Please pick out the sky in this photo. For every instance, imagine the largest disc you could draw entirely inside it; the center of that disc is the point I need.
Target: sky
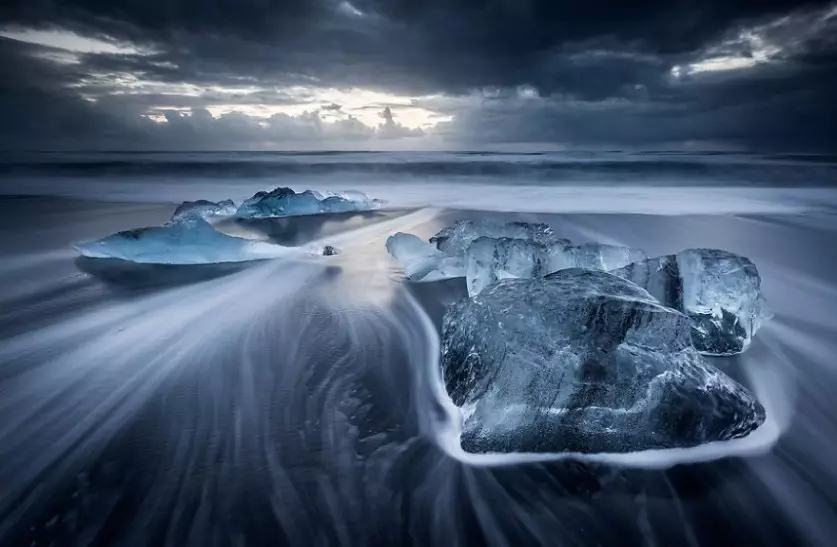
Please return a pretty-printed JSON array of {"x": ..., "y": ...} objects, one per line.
[{"x": 409, "y": 74}]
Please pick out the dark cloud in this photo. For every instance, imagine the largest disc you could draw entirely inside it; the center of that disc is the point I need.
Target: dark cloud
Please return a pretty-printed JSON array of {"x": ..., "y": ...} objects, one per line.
[{"x": 599, "y": 71}]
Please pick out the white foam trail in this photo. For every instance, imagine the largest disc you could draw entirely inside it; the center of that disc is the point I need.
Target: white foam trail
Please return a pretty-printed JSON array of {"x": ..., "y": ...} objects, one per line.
[{"x": 79, "y": 382}]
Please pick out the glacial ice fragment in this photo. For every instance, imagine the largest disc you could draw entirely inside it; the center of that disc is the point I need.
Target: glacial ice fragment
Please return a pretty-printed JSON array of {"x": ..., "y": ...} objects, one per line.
[
  {"x": 490, "y": 259},
  {"x": 583, "y": 360},
  {"x": 188, "y": 240},
  {"x": 720, "y": 292},
  {"x": 283, "y": 202},
  {"x": 456, "y": 238},
  {"x": 422, "y": 260},
  {"x": 204, "y": 209}
]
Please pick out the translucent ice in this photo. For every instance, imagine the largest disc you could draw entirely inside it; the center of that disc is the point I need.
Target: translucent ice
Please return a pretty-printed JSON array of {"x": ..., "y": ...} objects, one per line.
[
  {"x": 490, "y": 259},
  {"x": 188, "y": 240},
  {"x": 582, "y": 360},
  {"x": 283, "y": 202},
  {"x": 456, "y": 238},
  {"x": 718, "y": 290},
  {"x": 592, "y": 256},
  {"x": 422, "y": 260},
  {"x": 204, "y": 209}
]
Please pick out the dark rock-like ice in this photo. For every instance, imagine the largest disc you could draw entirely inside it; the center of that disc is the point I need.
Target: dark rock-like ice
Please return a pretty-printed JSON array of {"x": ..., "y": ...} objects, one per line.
[
  {"x": 456, "y": 238},
  {"x": 283, "y": 202},
  {"x": 422, "y": 261},
  {"x": 720, "y": 292},
  {"x": 187, "y": 240},
  {"x": 204, "y": 209},
  {"x": 583, "y": 360}
]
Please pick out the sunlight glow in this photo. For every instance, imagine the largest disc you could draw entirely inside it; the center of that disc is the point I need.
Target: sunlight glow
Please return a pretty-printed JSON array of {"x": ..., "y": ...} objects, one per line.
[
  {"x": 68, "y": 41},
  {"x": 758, "y": 51}
]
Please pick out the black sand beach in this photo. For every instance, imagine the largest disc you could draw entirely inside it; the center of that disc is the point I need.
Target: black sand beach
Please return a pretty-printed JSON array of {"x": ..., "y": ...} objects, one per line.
[{"x": 279, "y": 403}]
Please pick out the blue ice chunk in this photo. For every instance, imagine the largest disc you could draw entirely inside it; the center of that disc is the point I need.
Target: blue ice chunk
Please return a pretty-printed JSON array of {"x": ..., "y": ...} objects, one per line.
[
  {"x": 720, "y": 291},
  {"x": 283, "y": 202},
  {"x": 583, "y": 360},
  {"x": 188, "y": 240}
]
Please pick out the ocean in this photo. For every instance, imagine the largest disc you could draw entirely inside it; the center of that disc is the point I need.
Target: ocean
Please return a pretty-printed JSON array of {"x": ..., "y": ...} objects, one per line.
[{"x": 296, "y": 401}]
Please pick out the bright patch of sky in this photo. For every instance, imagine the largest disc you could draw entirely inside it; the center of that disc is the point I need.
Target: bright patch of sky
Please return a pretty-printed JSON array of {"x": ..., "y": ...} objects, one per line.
[
  {"x": 763, "y": 44},
  {"x": 69, "y": 41},
  {"x": 347, "y": 8},
  {"x": 334, "y": 104},
  {"x": 753, "y": 47}
]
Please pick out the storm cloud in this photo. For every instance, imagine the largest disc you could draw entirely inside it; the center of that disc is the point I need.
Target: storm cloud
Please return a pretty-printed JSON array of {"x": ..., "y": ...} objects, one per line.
[{"x": 379, "y": 74}]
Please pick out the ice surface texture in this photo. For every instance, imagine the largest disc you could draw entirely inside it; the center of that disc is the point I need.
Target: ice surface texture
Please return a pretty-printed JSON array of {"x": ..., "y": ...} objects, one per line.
[
  {"x": 583, "y": 360},
  {"x": 204, "y": 209},
  {"x": 718, "y": 290},
  {"x": 283, "y": 202},
  {"x": 456, "y": 238},
  {"x": 592, "y": 256},
  {"x": 422, "y": 260},
  {"x": 491, "y": 250},
  {"x": 490, "y": 259},
  {"x": 445, "y": 256},
  {"x": 187, "y": 240}
]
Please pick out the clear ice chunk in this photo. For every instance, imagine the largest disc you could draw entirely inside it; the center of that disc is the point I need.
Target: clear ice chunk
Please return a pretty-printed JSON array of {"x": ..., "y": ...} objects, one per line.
[
  {"x": 720, "y": 292},
  {"x": 583, "y": 360},
  {"x": 204, "y": 209},
  {"x": 283, "y": 202},
  {"x": 456, "y": 238},
  {"x": 188, "y": 240},
  {"x": 491, "y": 259},
  {"x": 592, "y": 256},
  {"x": 422, "y": 261}
]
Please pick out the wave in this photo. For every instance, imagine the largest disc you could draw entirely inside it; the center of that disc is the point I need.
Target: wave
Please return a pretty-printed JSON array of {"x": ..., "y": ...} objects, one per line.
[{"x": 608, "y": 168}]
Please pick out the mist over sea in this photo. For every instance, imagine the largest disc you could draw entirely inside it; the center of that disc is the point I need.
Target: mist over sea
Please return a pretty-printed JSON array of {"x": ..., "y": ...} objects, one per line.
[{"x": 297, "y": 401}]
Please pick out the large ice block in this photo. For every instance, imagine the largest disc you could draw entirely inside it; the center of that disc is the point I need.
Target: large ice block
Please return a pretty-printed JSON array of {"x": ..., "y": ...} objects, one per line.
[
  {"x": 583, "y": 360},
  {"x": 283, "y": 202},
  {"x": 188, "y": 240},
  {"x": 720, "y": 292}
]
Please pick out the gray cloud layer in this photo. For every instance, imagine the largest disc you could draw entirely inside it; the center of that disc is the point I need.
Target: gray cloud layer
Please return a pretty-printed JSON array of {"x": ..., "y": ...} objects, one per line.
[{"x": 576, "y": 73}]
